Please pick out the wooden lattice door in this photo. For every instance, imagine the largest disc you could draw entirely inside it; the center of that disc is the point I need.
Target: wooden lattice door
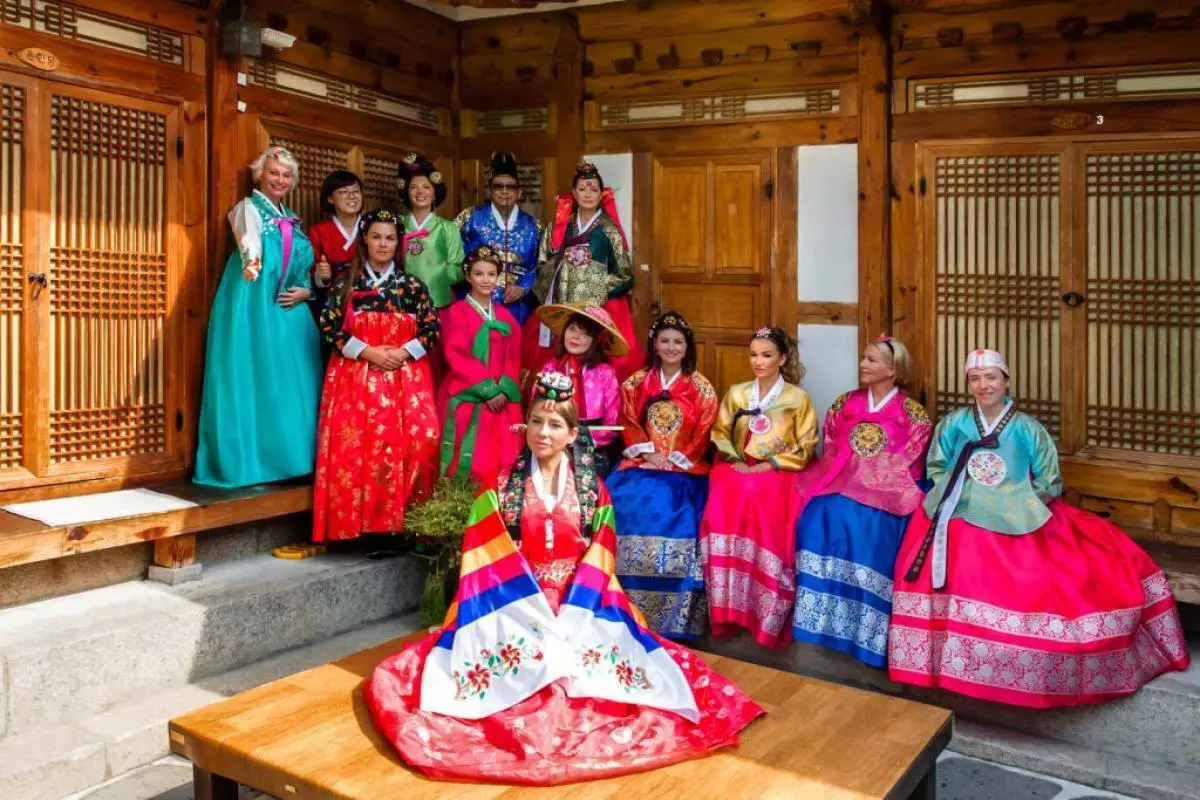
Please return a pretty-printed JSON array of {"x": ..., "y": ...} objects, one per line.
[
  {"x": 1081, "y": 261},
  {"x": 90, "y": 329}
]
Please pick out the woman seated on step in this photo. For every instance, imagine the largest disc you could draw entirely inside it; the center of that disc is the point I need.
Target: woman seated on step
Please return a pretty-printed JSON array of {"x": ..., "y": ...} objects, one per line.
[
  {"x": 661, "y": 485},
  {"x": 544, "y": 673},
  {"x": 856, "y": 503},
  {"x": 1006, "y": 593},
  {"x": 766, "y": 433}
]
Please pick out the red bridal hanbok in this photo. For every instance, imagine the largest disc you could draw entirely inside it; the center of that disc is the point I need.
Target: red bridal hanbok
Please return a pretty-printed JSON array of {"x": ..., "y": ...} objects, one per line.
[
  {"x": 482, "y": 350},
  {"x": 1014, "y": 596},
  {"x": 544, "y": 673},
  {"x": 378, "y": 433}
]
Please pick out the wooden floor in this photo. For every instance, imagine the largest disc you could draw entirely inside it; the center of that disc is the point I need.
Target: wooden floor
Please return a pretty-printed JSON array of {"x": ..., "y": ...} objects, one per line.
[
  {"x": 24, "y": 540},
  {"x": 311, "y": 736}
]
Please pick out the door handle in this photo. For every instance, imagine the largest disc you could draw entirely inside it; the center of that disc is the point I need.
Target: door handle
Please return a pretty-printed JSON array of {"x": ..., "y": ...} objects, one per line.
[
  {"x": 655, "y": 310},
  {"x": 1074, "y": 299},
  {"x": 38, "y": 280}
]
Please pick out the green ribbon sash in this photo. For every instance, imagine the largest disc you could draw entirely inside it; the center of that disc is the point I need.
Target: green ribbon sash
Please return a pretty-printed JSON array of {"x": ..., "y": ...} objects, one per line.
[{"x": 476, "y": 395}]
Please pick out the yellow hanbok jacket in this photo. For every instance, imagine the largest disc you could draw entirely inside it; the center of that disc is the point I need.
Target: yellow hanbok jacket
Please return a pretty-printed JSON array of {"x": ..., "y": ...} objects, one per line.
[{"x": 788, "y": 438}]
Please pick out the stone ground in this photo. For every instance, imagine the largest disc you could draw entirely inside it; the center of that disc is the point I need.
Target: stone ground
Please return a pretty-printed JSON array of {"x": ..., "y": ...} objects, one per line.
[{"x": 959, "y": 778}]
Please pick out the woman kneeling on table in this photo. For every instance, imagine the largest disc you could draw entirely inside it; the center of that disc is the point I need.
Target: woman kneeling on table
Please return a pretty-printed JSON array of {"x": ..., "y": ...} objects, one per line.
[
  {"x": 1024, "y": 600},
  {"x": 544, "y": 673}
]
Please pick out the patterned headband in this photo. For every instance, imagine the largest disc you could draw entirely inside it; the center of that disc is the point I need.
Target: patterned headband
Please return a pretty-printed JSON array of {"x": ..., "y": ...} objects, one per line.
[
  {"x": 669, "y": 320},
  {"x": 483, "y": 253},
  {"x": 586, "y": 170},
  {"x": 281, "y": 152},
  {"x": 554, "y": 387},
  {"x": 883, "y": 338},
  {"x": 378, "y": 215}
]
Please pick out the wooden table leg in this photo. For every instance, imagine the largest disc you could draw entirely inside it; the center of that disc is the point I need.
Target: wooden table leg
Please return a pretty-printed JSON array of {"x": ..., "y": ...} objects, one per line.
[
  {"x": 209, "y": 786},
  {"x": 925, "y": 790}
]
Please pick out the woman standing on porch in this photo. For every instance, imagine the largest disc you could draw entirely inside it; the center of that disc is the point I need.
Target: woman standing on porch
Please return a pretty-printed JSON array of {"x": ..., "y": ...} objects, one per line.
[
  {"x": 660, "y": 487},
  {"x": 1024, "y": 600},
  {"x": 258, "y": 412},
  {"x": 377, "y": 445},
  {"x": 765, "y": 434},
  {"x": 433, "y": 248},
  {"x": 334, "y": 237},
  {"x": 857, "y": 500},
  {"x": 585, "y": 259}
]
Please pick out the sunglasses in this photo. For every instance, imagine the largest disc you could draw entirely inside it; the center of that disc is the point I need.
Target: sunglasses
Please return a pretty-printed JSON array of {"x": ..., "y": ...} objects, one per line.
[{"x": 504, "y": 187}]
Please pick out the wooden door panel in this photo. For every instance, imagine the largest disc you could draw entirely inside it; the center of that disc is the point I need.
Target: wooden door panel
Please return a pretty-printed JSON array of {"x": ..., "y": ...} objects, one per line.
[
  {"x": 683, "y": 196},
  {"x": 738, "y": 195},
  {"x": 712, "y": 224},
  {"x": 110, "y": 283},
  {"x": 731, "y": 362},
  {"x": 15, "y": 103},
  {"x": 717, "y": 307}
]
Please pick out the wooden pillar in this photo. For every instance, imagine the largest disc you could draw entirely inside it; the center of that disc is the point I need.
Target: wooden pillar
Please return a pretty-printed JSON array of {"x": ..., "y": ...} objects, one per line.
[
  {"x": 174, "y": 560},
  {"x": 874, "y": 212},
  {"x": 568, "y": 55}
]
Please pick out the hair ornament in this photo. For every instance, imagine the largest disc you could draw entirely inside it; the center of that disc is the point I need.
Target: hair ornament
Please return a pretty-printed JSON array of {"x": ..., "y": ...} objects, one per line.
[{"x": 554, "y": 387}]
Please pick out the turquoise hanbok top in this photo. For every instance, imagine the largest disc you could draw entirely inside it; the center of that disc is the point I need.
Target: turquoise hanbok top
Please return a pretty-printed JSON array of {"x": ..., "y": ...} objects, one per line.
[{"x": 262, "y": 369}]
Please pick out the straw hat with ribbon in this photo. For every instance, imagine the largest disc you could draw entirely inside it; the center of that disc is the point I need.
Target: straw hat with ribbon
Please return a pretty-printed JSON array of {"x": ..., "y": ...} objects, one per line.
[{"x": 556, "y": 317}]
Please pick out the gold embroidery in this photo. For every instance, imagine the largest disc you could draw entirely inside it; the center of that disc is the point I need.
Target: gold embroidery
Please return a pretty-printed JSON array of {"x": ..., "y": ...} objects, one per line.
[
  {"x": 868, "y": 440},
  {"x": 916, "y": 412}
]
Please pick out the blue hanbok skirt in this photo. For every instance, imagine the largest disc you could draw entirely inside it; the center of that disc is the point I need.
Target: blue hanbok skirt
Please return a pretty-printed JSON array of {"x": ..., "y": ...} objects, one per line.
[
  {"x": 658, "y": 524},
  {"x": 845, "y": 554}
]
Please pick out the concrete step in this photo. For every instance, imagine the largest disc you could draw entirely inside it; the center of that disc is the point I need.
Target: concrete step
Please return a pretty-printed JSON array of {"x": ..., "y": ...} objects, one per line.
[
  {"x": 1104, "y": 771},
  {"x": 1158, "y": 725},
  {"x": 68, "y": 657},
  {"x": 55, "y": 761}
]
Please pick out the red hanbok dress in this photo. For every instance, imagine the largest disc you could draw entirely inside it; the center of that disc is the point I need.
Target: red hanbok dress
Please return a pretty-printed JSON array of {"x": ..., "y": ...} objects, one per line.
[
  {"x": 551, "y": 736},
  {"x": 337, "y": 245},
  {"x": 378, "y": 430},
  {"x": 483, "y": 360}
]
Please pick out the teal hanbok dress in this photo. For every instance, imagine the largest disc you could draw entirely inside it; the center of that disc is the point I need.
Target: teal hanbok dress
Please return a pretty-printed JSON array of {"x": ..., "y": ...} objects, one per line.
[{"x": 262, "y": 371}]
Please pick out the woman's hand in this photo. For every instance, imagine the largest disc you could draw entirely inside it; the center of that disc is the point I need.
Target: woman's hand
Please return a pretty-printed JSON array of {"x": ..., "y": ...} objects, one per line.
[
  {"x": 746, "y": 469},
  {"x": 290, "y": 298},
  {"x": 656, "y": 461},
  {"x": 251, "y": 270},
  {"x": 324, "y": 271},
  {"x": 384, "y": 358},
  {"x": 512, "y": 294},
  {"x": 497, "y": 403}
]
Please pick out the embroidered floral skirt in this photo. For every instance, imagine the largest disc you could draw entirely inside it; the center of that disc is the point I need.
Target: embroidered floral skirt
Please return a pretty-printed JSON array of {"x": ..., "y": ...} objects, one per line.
[
  {"x": 845, "y": 553},
  {"x": 1072, "y": 613},
  {"x": 658, "y": 554},
  {"x": 550, "y": 738},
  {"x": 748, "y": 551}
]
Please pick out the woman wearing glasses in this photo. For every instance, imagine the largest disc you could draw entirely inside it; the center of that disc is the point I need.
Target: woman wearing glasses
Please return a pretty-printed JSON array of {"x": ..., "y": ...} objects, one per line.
[
  {"x": 333, "y": 238},
  {"x": 511, "y": 233}
]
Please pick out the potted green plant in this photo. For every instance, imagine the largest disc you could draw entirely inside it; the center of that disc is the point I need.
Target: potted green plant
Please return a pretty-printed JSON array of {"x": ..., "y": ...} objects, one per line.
[{"x": 437, "y": 524}]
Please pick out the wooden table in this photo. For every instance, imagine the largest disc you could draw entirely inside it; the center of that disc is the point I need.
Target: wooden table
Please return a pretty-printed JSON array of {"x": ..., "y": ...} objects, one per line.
[{"x": 311, "y": 736}]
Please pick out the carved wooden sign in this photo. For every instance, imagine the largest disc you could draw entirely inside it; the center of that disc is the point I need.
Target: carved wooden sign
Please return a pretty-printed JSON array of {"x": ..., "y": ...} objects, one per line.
[
  {"x": 1071, "y": 121},
  {"x": 38, "y": 58}
]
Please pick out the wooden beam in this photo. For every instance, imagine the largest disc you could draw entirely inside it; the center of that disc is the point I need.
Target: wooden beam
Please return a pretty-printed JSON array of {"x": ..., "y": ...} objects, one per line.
[
  {"x": 569, "y": 117},
  {"x": 785, "y": 183},
  {"x": 1141, "y": 118},
  {"x": 746, "y": 135},
  {"x": 781, "y": 75},
  {"x": 874, "y": 211},
  {"x": 402, "y": 81},
  {"x": 175, "y": 552},
  {"x": 169, "y": 15},
  {"x": 617, "y": 21}
]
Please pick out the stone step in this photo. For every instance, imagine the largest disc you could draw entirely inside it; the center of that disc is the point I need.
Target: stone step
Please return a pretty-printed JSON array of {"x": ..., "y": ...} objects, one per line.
[
  {"x": 1104, "y": 771},
  {"x": 1158, "y": 725},
  {"x": 58, "y": 760},
  {"x": 71, "y": 656}
]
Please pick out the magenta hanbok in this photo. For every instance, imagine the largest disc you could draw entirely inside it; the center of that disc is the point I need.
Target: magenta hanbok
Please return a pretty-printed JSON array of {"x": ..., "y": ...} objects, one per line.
[
  {"x": 482, "y": 350},
  {"x": 856, "y": 501}
]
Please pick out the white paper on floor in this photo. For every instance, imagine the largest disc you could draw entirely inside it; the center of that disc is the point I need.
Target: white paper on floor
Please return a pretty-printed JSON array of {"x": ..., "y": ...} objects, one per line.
[{"x": 97, "y": 507}]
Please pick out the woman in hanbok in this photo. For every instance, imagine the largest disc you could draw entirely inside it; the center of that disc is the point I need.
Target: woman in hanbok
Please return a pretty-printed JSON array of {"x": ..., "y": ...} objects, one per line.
[
  {"x": 433, "y": 246},
  {"x": 334, "y": 238},
  {"x": 765, "y": 434},
  {"x": 586, "y": 259},
  {"x": 479, "y": 400},
  {"x": 544, "y": 673},
  {"x": 378, "y": 439},
  {"x": 661, "y": 485},
  {"x": 586, "y": 339},
  {"x": 262, "y": 371},
  {"x": 1006, "y": 593},
  {"x": 856, "y": 503}
]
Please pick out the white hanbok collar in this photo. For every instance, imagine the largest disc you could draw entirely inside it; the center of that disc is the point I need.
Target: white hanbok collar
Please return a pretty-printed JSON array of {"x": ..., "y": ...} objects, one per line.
[
  {"x": 871, "y": 405},
  {"x": 756, "y": 404},
  {"x": 347, "y": 235},
  {"x": 512, "y": 218},
  {"x": 377, "y": 279}
]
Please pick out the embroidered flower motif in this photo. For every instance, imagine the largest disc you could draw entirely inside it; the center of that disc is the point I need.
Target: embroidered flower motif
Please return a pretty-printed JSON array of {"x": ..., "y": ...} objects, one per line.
[
  {"x": 495, "y": 663},
  {"x": 987, "y": 467},
  {"x": 590, "y": 657},
  {"x": 624, "y": 673},
  {"x": 601, "y": 661}
]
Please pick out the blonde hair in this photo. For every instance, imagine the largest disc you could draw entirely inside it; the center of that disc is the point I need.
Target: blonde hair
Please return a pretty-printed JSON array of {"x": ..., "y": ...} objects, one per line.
[
  {"x": 279, "y": 154},
  {"x": 792, "y": 369},
  {"x": 897, "y": 357}
]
